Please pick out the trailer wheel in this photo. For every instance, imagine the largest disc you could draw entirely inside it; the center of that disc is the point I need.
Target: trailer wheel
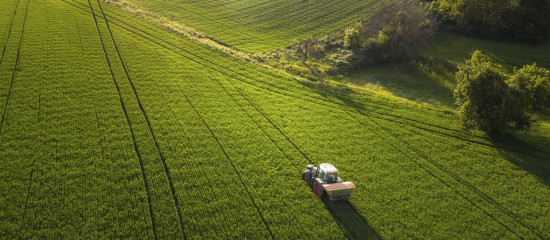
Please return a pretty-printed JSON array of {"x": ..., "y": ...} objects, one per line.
[
  {"x": 306, "y": 176},
  {"x": 318, "y": 189}
]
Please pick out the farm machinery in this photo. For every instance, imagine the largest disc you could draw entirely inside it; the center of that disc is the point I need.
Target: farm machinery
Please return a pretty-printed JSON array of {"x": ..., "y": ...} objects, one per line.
[{"x": 325, "y": 182}]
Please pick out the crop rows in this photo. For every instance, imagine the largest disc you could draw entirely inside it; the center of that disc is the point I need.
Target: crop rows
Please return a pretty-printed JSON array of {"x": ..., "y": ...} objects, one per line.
[
  {"x": 257, "y": 26},
  {"x": 450, "y": 130},
  {"x": 116, "y": 128}
]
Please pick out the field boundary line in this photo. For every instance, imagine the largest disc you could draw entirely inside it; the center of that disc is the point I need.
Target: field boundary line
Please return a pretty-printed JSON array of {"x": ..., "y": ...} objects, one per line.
[
  {"x": 232, "y": 164},
  {"x": 136, "y": 148},
  {"x": 163, "y": 159}
]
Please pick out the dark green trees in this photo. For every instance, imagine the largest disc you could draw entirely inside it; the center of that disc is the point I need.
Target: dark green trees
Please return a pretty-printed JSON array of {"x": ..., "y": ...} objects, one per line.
[
  {"x": 494, "y": 102},
  {"x": 520, "y": 20},
  {"x": 394, "y": 33}
]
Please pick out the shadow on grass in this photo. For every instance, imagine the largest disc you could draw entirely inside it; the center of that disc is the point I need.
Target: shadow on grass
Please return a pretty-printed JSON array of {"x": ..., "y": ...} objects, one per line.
[
  {"x": 426, "y": 80},
  {"x": 335, "y": 92},
  {"x": 530, "y": 157},
  {"x": 352, "y": 223}
]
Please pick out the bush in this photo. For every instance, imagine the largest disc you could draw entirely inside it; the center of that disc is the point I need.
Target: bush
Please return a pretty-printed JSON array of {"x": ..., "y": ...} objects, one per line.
[
  {"x": 485, "y": 101},
  {"x": 393, "y": 34},
  {"x": 352, "y": 38},
  {"x": 533, "y": 83}
]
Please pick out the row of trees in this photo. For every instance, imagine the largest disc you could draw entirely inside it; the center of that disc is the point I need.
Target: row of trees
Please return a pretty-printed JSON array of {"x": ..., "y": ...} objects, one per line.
[{"x": 520, "y": 20}]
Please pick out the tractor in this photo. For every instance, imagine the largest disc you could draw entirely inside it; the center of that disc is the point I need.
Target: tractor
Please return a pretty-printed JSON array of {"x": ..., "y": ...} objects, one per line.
[{"x": 325, "y": 182}]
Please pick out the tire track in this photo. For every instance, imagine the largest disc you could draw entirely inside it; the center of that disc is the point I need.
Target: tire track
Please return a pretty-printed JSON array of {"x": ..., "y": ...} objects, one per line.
[
  {"x": 299, "y": 171},
  {"x": 193, "y": 152},
  {"x": 9, "y": 31},
  {"x": 456, "y": 178},
  {"x": 136, "y": 148},
  {"x": 232, "y": 164},
  {"x": 251, "y": 118},
  {"x": 14, "y": 71},
  {"x": 468, "y": 185},
  {"x": 304, "y": 155},
  {"x": 326, "y": 103},
  {"x": 166, "y": 169}
]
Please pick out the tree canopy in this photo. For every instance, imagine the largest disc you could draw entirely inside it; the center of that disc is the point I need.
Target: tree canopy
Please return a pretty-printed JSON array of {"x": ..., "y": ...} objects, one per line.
[{"x": 520, "y": 20}]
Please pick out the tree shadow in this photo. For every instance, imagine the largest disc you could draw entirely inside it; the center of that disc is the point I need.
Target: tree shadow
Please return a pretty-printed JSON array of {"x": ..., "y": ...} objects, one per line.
[
  {"x": 425, "y": 79},
  {"x": 526, "y": 155},
  {"x": 352, "y": 223},
  {"x": 335, "y": 92}
]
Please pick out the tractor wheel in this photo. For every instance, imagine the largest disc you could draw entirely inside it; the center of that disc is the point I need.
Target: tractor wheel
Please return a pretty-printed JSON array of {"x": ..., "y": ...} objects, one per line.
[
  {"x": 318, "y": 189},
  {"x": 306, "y": 176}
]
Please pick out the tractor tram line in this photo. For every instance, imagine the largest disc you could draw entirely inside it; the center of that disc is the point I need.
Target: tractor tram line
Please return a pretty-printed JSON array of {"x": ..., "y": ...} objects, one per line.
[
  {"x": 194, "y": 153},
  {"x": 9, "y": 31},
  {"x": 14, "y": 73},
  {"x": 250, "y": 117},
  {"x": 304, "y": 155},
  {"x": 326, "y": 103},
  {"x": 132, "y": 133},
  {"x": 232, "y": 164},
  {"x": 433, "y": 174},
  {"x": 162, "y": 157},
  {"x": 17, "y": 59}
]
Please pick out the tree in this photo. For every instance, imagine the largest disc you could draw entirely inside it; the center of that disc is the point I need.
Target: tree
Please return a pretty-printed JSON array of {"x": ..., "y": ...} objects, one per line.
[
  {"x": 394, "y": 33},
  {"x": 485, "y": 101},
  {"x": 521, "y": 20},
  {"x": 533, "y": 83},
  {"x": 352, "y": 38}
]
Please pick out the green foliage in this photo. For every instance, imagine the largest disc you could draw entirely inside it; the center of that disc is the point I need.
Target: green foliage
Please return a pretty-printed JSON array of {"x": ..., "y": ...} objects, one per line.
[
  {"x": 494, "y": 102},
  {"x": 352, "y": 38},
  {"x": 533, "y": 83},
  {"x": 526, "y": 21},
  {"x": 395, "y": 32}
]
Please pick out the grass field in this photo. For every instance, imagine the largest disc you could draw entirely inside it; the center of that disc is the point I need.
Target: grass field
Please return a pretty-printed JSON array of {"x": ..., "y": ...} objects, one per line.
[
  {"x": 430, "y": 78},
  {"x": 261, "y": 25},
  {"x": 114, "y": 127}
]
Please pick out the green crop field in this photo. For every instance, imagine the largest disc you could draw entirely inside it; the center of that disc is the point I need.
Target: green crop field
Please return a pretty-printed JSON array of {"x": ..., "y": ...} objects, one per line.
[
  {"x": 260, "y": 25},
  {"x": 114, "y": 127}
]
